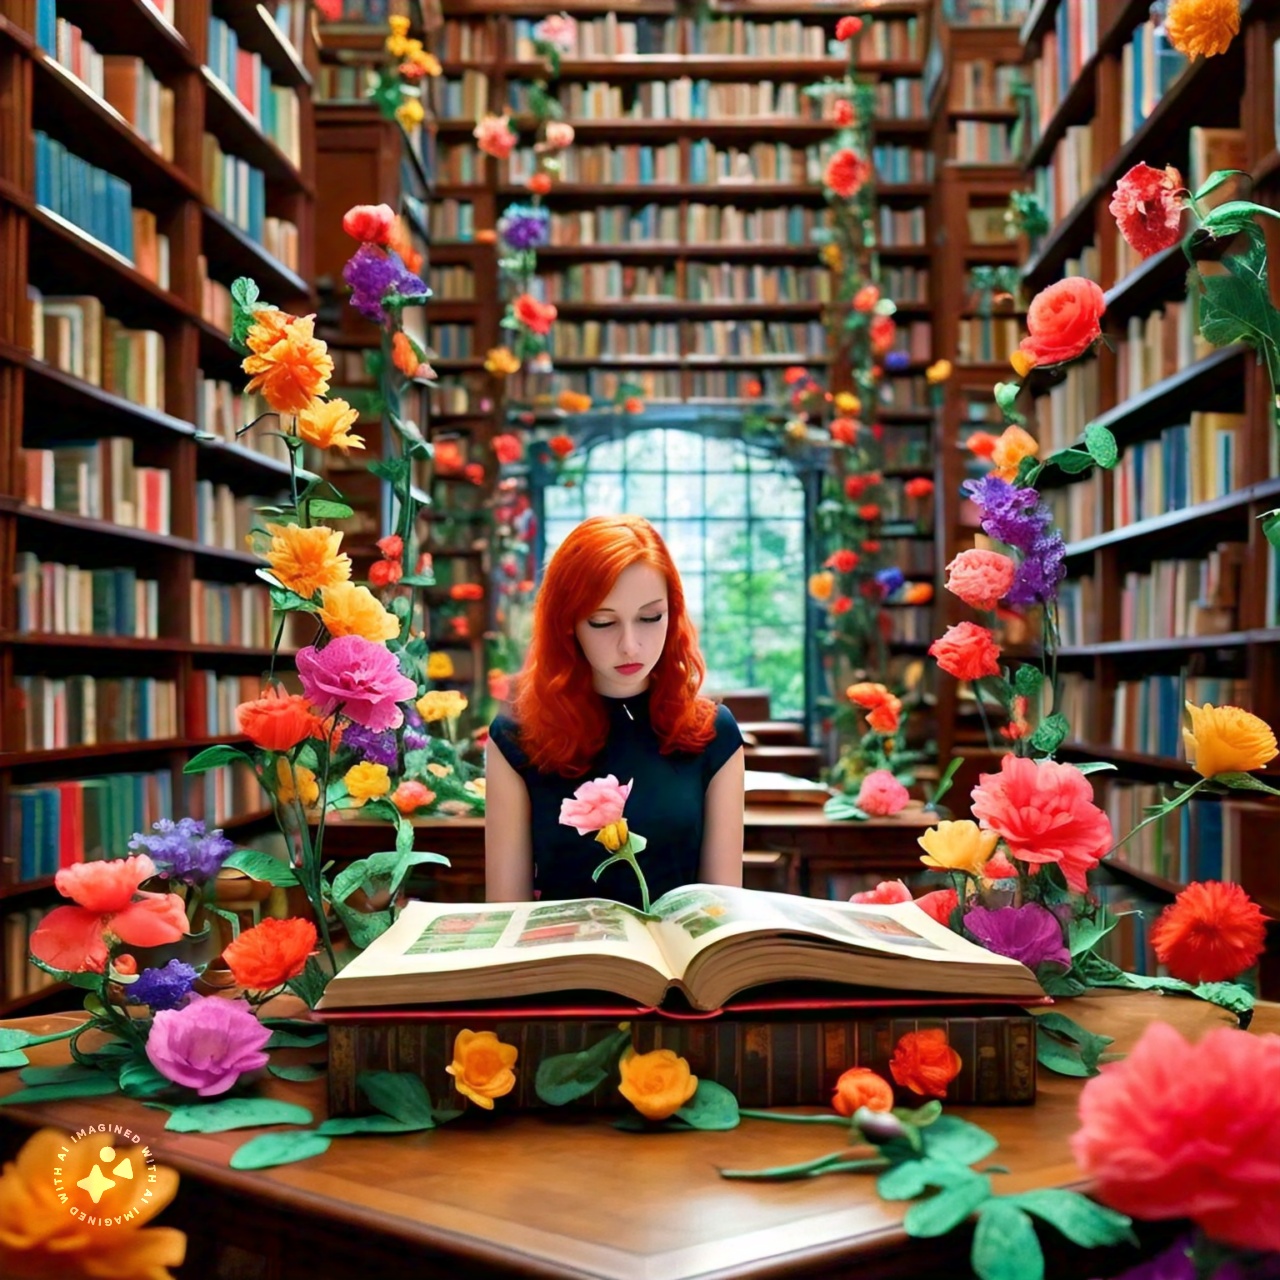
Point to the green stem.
(275, 647)
(751, 1114)
(1168, 807)
(310, 874)
(834, 1163)
(293, 446)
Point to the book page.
(450, 937)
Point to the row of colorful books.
(57, 712)
(98, 479)
(64, 599)
(274, 108)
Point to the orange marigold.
(861, 1087)
(269, 954)
(269, 325)
(305, 560)
(293, 370)
(925, 1063)
(1202, 28)
(348, 610)
(327, 425)
(1211, 932)
(277, 720)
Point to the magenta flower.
(1031, 934)
(885, 893)
(595, 805)
(359, 676)
(881, 794)
(208, 1044)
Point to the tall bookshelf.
(1129, 659)
(146, 474)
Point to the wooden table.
(567, 1195)
(812, 846)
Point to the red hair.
(562, 720)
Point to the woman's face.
(624, 638)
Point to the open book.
(707, 941)
(782, 788)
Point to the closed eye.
(598, 626)
(657, 619)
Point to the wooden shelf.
(678, 250)
(256, 31)
(1171, 644)
(132, 27)
(101, 751)
(10, 1007)
(697, 66)
(237, 253)
(238, 132)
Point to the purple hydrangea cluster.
(1017, 517)
(373, 273)
(524, 226)
(375, 747)
(163, 988)
(183, 850)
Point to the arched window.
(734, 517)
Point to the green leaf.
(11, 1038)
(1089, 1225)
(1271, 526)
(1102, 445)
(1005, 1245)
(214, 758)
(1006, 393)
(1028, 680)
(711, 1107)
(56, 1075)
(1231, 996)
(281, 1039)
(951, 1139)
(398, 1094)
(1051, 733)
(1064, 1046)
(565, 1077)
(142, 1080)
(309, 985)
(949, 1208)
(324, 509)
(341, 1125)
(262, 866)
(1233, 309)
(300, 1074)
(1215, 180)
(235, 1113)
(285, 601)
(944, 782)
(1072, 461)
(12, 1058)
(840, 808)
(1057, 983)
(1094, 766)
(1244, 782)
(92, 1086)
(911, 1178)
(269, 1149)
(921, 1116)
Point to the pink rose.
(494, 137)
(208, 1044)
(882, 795)
(359, 676)
(559, 135)
(595, 805)
(981, 578)
(885, 893)
(559, 30)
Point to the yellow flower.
(39, 1236)
(348, 610)
(938, 371)
(1202, 27)
(832, 256)
(796, 430)
(958, 846)
(1227, 740)
(399, 25)
(614, 836)
(482, 1067)
(308, 789)
(327, 425)
(501, 362)
(305, 560)
(573, 402)
(847, 404)
(821, 585)
(657, 1083)
(439, 666)
(1014, 445)
(410, 113)
(441, 704)
(367, 781)
(439, 770)
(1023, 362)
(397, 43)
(476, 787)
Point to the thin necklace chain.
(627, 709)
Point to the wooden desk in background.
(811, 846)
(566, 1195)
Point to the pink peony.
(885, 893)
(1045, 813)
(208, 1044)
(939, 904)
(494, 137)
(1180, 1130)
(109, 903)
(359, 676)
(595, 805)
(369, 223)
(881, 794)
(981, 578)
(558, 30)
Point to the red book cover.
(247, 81)
(71, 824)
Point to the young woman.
(610, 686)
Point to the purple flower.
(183, 850)
(415, 739)
(890, 579)
(524, 226)
(163, 988)
(361, 677)
(895, 361)
(373, 273)
(1013, 516)
(376, 748)
(1030, 934)
(1042, 569)
(208, 1044)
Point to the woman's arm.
(508, 840)
(722, 824)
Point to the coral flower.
(1202, 28)
(1180, 1130)
(327, 425)
(410, 796)
(277, 720)
(269, 954)
(925, 1063)
(305, 560)
(539, 183)
(958, 846)
(842, 561)
(939, 904)
(881, 794)
(1045, 812)
(392, 546)
(348, 610)
(508, 448)
(841, 604)
(537, 317)
(918, 487)
(369, 223)
(861, 1087)
(981, 578)
(843, 430)
(982, 444)
(482, 1067)
(466, 591)
(499, 685)
(1211, 932)
(1013, 445)
(885, 893)
(1063, 321)
(846, 173)
(657, 1083)
(822, 585)
(494, 137)
(293, 371)
(848, 27)
(562, 446)
(1227, 740)
(385, 573)
(1147, 207)
(866, 298)
(108, 902)
(967, 651)
(40, 1238)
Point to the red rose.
(369, 223)
(843, 113)
(848, 27)
(1063, 321)
(842, 561)
(925, 1063)
(539, 183)
(844, 430)
(846, 172)
(1147, 207)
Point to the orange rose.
(657, 1083)
(861, 1087)
(925, 1063)
(482, 1067)
(269, 954)
(277, 720)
